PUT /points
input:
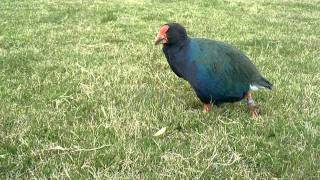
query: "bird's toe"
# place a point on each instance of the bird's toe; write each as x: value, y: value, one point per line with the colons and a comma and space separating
x: 254, y: 111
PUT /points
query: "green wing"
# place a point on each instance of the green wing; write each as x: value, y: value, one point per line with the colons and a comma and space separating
x: 226, y: 62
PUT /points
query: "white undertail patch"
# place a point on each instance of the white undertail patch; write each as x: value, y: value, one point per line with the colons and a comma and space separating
x: 254, y: 87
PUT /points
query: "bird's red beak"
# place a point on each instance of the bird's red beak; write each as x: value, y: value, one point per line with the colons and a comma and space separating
x: 162, y: 35
x: 160, y: 39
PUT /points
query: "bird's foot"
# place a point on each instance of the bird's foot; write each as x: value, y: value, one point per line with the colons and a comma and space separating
x: 206, y: 108
x: 254, y: 110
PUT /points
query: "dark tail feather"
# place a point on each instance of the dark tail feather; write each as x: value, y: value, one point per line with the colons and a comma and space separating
x: 265, y: 83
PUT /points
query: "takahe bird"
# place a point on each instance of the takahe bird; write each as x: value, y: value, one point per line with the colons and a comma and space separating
x: 216, y: 71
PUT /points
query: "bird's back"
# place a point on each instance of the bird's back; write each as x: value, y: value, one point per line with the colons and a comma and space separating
x: 222, y: 58
x: 222, y: 71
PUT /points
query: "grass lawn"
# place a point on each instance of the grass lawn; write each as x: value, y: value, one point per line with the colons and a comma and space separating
x: 83, y: 89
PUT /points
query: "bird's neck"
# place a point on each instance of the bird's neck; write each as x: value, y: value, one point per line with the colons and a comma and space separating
x: 177, y: 53
x: 177, y: 46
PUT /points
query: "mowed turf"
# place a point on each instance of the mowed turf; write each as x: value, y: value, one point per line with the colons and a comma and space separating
x: 83, y: 89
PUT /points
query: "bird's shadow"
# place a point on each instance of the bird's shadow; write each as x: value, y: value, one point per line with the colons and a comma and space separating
x: 225, y: 109
x: 194, y: 105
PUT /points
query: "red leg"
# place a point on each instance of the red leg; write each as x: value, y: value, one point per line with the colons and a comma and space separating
x: 206, y: 107
x: 252, y: 108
